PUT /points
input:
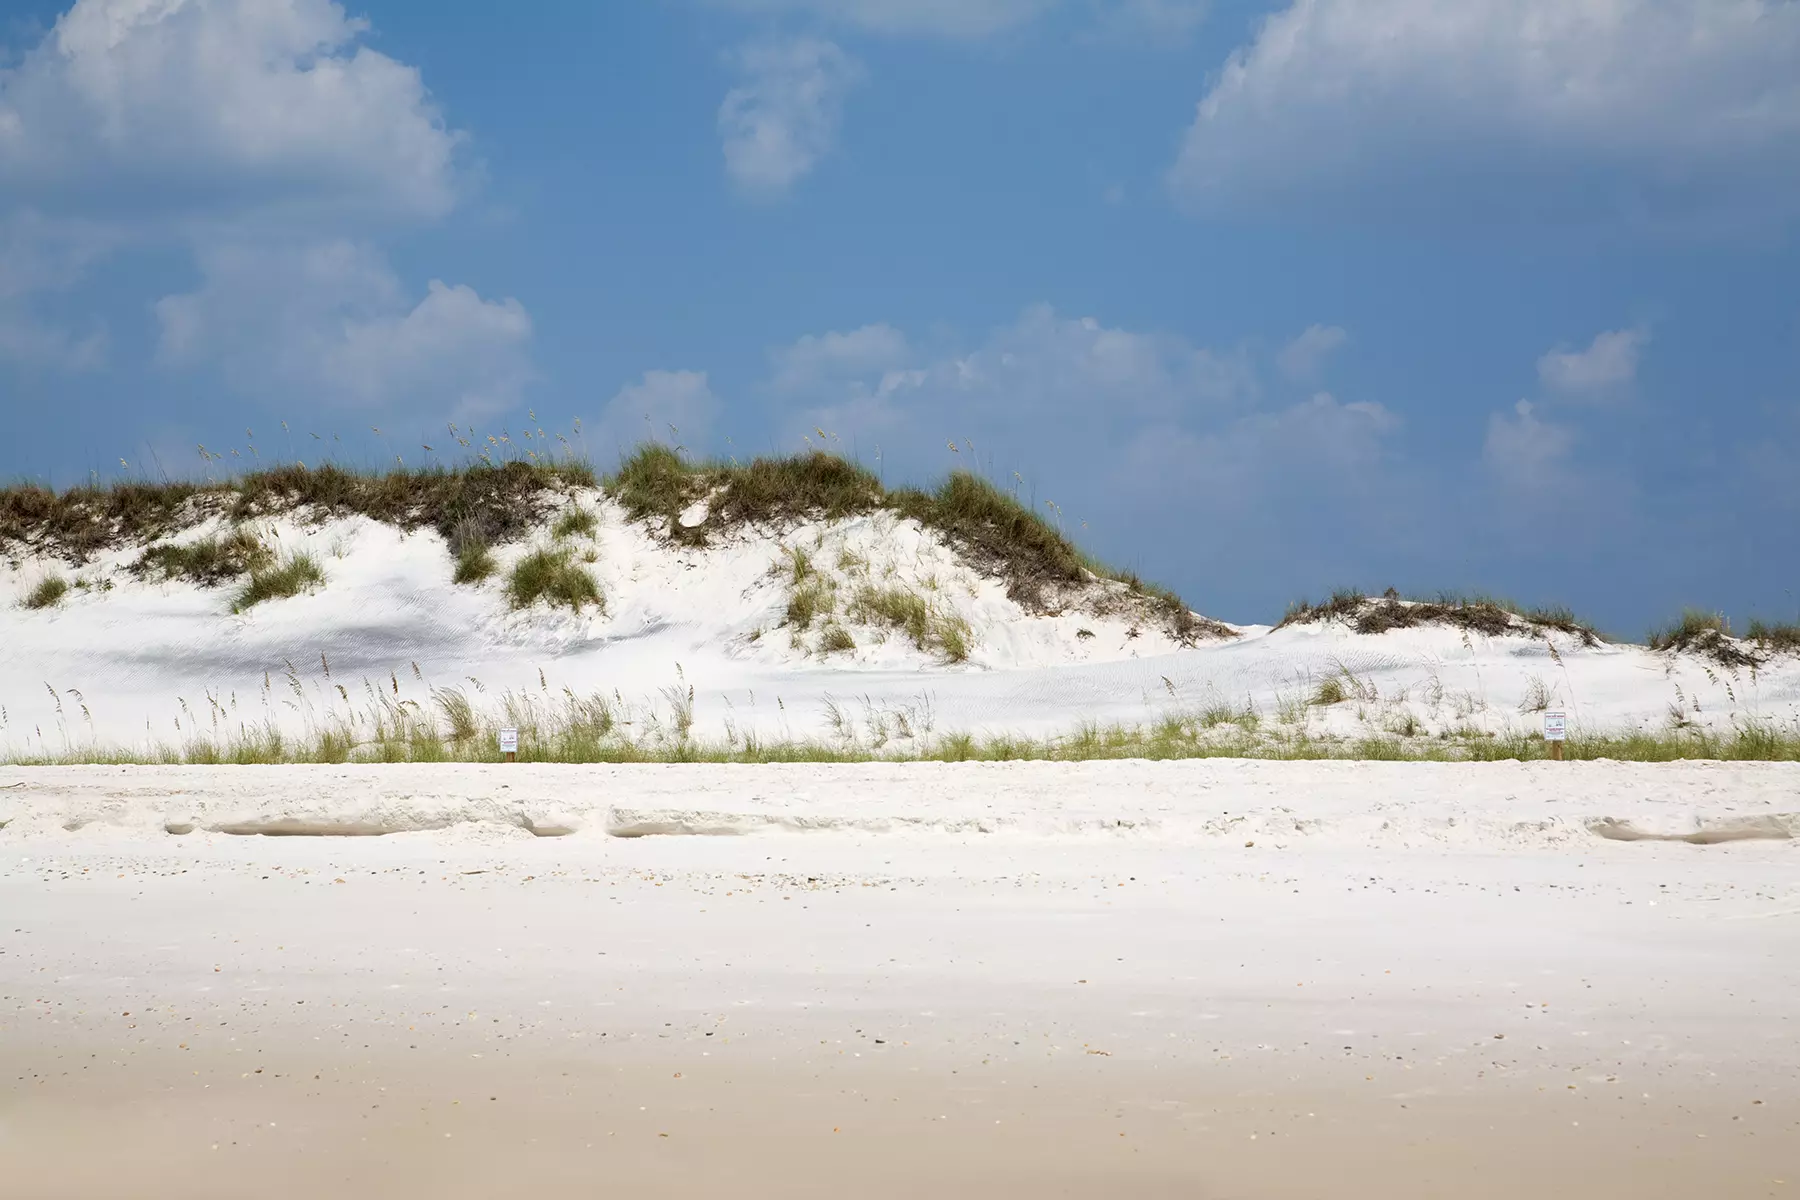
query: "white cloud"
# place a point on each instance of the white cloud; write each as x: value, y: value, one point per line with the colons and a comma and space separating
x: 1300, y: 358
x: 1526, y: 454
x: 338, y: 328
x: 827, y: 358
x: 1043, y: 374
x: 1172, y: 20
x: 1659, y: 110
x: 1608, y: 363
x: 266, y: 138
x: 40, y: 256
x: 202, y: 106
x: 672, y: 407
x: 940, y: 18
x: 784, y: 118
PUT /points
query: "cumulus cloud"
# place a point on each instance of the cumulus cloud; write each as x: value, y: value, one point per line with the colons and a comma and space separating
x: 1609, y: 362
x: 265, y: 138
x: 785, y: 116
x: 825, y: 359
x: 220, y: 105
x: 1300, y: 358
x: 672, y: 407
x: 940, y: 18
x: 1657, y: 110
x: 1043, y: 377
x: 340, y: 329
x: 1525, y: 453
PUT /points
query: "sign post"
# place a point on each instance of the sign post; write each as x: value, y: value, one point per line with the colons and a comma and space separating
x: 1556, y: 731
x: 509, y: 744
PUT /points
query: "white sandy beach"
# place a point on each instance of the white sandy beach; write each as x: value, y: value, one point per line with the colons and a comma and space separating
x: 1200, y: 979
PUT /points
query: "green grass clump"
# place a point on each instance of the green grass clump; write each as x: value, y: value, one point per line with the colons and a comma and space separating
x: 278, y: 582
x: 930, y: 630
x: 208, y: 562
x: 549, y: 575
x: 49, y: 592
x: 836, y: 639
x: 810, y: 594
x: 576, y: 522
x: 474, y: 563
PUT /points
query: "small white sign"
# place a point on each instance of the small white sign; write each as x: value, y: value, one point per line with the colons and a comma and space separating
x: 509, y: 741
x: 1556, y: 727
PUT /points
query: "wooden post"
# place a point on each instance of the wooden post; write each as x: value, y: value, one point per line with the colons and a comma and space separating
x: 513, y: 755
x: 1555, y: 751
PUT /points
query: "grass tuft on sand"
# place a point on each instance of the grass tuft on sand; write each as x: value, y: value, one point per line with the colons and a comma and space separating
x: 279, y: 581
x: 549, y: 574
x: 47, y: 592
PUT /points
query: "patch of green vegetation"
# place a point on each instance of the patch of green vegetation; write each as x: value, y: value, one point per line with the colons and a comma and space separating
x: 549, y: 575
x: 836, y: 639
x: 208, y: 562
x: 930, y: 629
x: 1476, y: 614
x: 48, y: 592
x: 279, y: 581
x: 576, y: 522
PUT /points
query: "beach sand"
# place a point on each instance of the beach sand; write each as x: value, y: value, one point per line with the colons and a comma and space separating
x: 1357, y: 1007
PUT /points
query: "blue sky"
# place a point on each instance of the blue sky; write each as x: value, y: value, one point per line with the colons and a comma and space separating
x: 1264, y: 297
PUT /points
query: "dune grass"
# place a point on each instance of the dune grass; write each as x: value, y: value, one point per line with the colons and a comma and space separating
x: 47, y: 592
x: 209, y: 561
x: 500, y: 501
x: 550, y: 575
x: 1776, y: 638
x: 931, y: 629
x: 1703, y: 633
x: 1476, y: 614
x: 587, y: 730
x: 278, y: 581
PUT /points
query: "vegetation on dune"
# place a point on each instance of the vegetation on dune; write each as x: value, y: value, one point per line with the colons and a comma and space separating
x: 931, y: 630
x: 47, y: 592
x: 279, y: 580
x: 1704, y: 633
x: 987, y: 526
x: 499, y: 502
x: 550, y: 575
x: 1477, y: 614
x: 590, y: 729
x: 1775, y: 638
x: 209, y: 562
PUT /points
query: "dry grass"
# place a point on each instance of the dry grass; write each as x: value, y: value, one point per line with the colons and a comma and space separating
x: 500, y: 502
x: 279, y: 581
x: 1775, y: 638
x: 1476, y: 614
x: 549, y: 575
x: 1704, y: 633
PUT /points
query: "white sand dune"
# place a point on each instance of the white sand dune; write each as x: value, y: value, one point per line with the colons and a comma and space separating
x: 131, y: 662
